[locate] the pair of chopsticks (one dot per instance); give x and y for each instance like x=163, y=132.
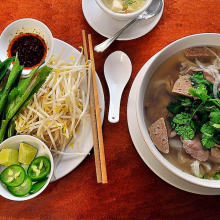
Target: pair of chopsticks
x=95, y=116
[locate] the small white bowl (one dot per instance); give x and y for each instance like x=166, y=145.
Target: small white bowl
x=25, y=25
x=120, y=16
x=206, y=39
x=42, y=150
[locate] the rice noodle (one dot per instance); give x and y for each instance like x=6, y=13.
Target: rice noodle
x=60, y=106
x=195, y=168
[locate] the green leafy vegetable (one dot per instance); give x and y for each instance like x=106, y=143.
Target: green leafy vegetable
x=126, y=3
x=15, y=72
x=179, y=105
x=4, y=66
x=17, y=93
x=217, y=176
x=215, y=117
x=200, y=92
x=20, y=100
x=201, y=114
x=184, y=125
x=199, y=81
x=216, y=125
x=186, y=131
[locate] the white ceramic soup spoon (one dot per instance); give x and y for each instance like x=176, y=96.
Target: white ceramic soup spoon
x=117, y=70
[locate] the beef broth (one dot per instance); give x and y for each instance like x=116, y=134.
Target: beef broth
x=158, y=95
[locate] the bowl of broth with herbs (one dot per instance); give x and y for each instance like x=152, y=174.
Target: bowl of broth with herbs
x=123, y=9
x=178, y=108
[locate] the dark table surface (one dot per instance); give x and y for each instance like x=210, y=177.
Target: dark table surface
x=133, y=190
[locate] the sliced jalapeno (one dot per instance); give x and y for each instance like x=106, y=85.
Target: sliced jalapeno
x=38, y=185
x=22, y=189
x=13, y=175
x=39, y=168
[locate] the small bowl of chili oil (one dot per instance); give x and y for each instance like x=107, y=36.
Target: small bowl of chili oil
x=31, y=39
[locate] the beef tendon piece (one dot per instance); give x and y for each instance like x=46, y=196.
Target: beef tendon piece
x=195, y=149
x=182, y=86
x=200, y=53
x=158, y=134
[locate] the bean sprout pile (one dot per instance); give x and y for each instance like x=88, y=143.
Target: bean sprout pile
x=60, y=106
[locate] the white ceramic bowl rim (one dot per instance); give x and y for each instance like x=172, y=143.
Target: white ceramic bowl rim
x=43, y=150
x=123, y=16
x=204, y=39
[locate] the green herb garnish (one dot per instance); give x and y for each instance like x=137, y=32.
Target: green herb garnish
x=126, y=3
x=201, y=114
x=217, y=176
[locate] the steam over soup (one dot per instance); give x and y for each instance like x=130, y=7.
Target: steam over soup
x=124, y=6
x=182, y=111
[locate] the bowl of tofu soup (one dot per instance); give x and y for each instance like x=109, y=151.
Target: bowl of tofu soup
x=123, y=9
x=178, y=108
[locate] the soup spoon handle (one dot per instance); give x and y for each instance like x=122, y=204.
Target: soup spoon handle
x=101, y=47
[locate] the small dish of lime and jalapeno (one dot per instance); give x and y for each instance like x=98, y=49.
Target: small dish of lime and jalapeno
x=18, y=182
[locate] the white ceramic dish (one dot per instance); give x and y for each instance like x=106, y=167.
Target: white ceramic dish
x=121, y=16
x=145, y=152
x=70, y=162
x=25, y=25
x=43, y=150
x=107, y=26
x=190, y=41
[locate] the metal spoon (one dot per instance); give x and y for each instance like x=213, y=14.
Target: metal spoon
x=154, y=8
x=117, y=71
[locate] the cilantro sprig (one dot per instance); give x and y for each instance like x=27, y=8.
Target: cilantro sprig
x=126, y=3
x=197, y=115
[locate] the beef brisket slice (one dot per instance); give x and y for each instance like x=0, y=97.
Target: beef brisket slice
x=195, y=149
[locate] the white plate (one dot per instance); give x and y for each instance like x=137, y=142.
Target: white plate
x=145, y=152
x=107, y=26
x=69, y=163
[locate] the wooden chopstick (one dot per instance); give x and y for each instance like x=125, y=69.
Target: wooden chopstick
x=98, y=117
x=93, y=118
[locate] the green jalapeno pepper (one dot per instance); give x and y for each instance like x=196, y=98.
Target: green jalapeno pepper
x=39, y=168
x=38, y=185
x=13, y=175
x=22, y=189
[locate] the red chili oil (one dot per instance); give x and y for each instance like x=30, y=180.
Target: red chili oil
x=31, y=49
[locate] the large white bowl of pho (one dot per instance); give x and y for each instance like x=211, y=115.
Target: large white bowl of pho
x=178, y=108
x=123, y=9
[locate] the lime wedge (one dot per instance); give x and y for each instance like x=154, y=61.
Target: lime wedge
x=8, y=157
x=26, y=153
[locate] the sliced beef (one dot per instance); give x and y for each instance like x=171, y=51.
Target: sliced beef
x=200, y=53
x=158, y=134
x=215, y=151
x=206, y=75
x=182, y=86
x=195, y=149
